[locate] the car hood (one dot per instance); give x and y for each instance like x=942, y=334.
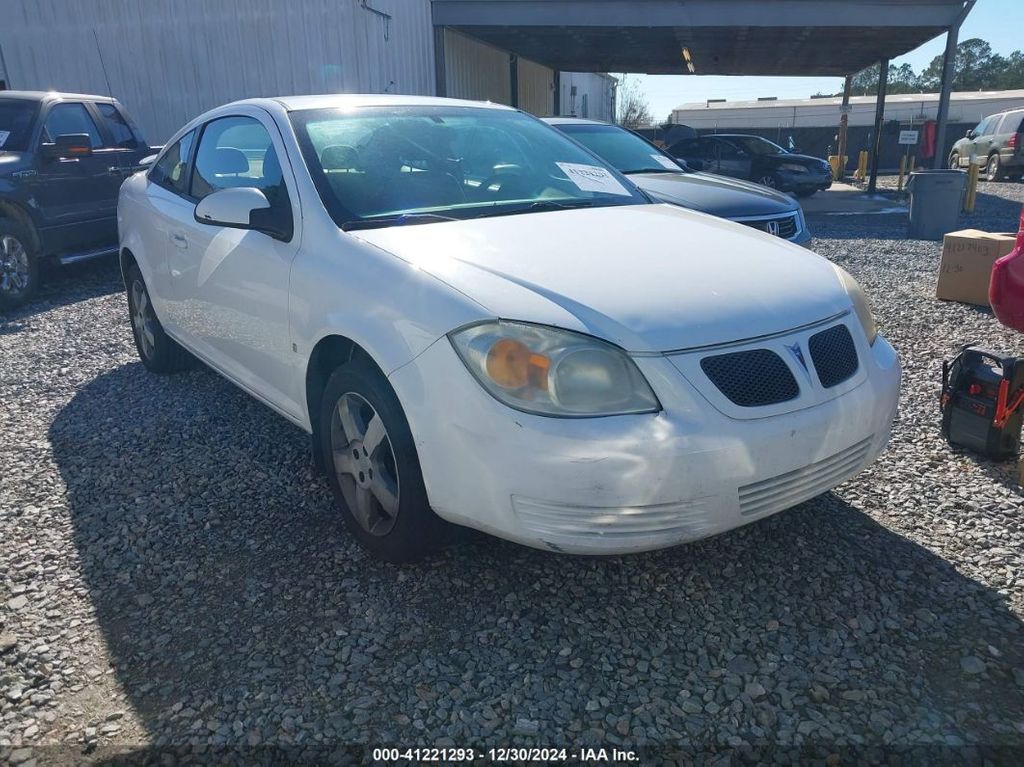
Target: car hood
x=713, y=194
x=645, y=277
x=798, y=159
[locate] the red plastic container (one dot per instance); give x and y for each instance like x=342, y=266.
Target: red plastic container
x=1006, y=288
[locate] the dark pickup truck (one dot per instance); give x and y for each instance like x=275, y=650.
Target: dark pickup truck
x=63, y=157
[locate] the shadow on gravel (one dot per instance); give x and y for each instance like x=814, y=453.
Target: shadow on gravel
x=65, y=285
x=992, y=213
x=236, y=610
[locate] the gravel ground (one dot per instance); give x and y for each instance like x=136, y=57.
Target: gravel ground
x=171, y=572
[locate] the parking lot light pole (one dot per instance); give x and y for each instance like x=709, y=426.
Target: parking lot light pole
x=883, y=84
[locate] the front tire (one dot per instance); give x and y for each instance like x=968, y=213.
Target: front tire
x=19, y=264
x=373, y=468
x=954, y=161
x=158, y=351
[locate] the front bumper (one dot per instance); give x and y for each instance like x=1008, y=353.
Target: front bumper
x=632, y=483
x=791, y=182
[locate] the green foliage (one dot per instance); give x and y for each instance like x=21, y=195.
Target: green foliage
x=975, y=67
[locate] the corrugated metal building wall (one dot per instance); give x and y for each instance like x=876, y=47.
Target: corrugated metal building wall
x=594, y=95
x=536, y=88
x=169, y=60
x=475, y=70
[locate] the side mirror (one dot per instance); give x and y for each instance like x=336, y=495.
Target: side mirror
x=146, y=162
x=970, y=133
x=245, y=207
x=68, y=146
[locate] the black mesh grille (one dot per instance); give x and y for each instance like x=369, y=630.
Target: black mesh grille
x=787, y=225
x=752, y=378
x=834, y=355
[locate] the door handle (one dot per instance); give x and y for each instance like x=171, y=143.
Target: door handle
x=179, y=240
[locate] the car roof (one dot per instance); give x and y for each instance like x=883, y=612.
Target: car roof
x=575, y=121
x=53, y=96
x=343, y=100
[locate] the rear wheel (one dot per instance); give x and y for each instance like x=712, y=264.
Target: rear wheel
x=158, y=351
x=19, y=264
x=994, y=169
x=373, y=468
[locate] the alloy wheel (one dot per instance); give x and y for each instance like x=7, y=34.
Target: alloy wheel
x=768, y=181
x=14, y=271
x=364, y=462
x=992, y=169
x=143, y=319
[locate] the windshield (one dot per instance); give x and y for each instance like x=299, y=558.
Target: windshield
x=16, y=117
x=757, y=145
x=625, y=151
x=392, y=165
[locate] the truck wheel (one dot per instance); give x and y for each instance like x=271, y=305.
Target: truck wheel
x=373, y=468
x=994, y=169
x=19, y=264
x=158, y=351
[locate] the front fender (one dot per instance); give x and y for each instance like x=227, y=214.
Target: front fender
x=388, y=307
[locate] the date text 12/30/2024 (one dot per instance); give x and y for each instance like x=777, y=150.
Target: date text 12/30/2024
x=510, y=754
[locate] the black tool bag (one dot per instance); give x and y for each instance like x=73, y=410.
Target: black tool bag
x=983, y=402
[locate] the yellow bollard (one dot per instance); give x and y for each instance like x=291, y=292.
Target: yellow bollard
x=862, y=165
x=903, y=170
x=911, y=165
x=971, y=197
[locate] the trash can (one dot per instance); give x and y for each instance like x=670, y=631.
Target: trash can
x=936, y=198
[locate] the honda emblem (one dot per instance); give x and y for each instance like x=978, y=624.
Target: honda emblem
x=773, y=228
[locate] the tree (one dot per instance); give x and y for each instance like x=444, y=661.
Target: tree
x=633, y=111
x=974, y=68
x=902, y=79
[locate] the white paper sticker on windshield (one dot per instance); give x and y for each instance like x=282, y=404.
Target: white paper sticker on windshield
x=592, y=178
x=3, y=136
x=665, y=162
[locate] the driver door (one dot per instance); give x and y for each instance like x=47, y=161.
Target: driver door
x=731, y=160
x=229, y=286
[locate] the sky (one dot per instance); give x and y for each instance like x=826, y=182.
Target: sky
x=999, y=22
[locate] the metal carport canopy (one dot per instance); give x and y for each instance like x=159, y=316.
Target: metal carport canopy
x=723, y=37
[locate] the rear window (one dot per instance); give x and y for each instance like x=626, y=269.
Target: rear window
x=16, y=119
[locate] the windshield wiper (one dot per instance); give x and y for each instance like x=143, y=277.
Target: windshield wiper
x=404, y=219
x=538, y=207
x=650, y=170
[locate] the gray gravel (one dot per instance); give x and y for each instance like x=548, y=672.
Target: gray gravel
x=171, y=572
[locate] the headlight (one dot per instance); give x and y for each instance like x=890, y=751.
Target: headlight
x=793, y=168
x=553, y=372
x=860, y=303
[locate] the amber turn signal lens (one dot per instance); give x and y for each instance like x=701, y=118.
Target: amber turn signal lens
x=512, y=365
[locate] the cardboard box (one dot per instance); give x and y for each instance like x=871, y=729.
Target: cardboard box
x=966, y=267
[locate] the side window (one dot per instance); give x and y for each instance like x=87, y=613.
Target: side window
x=685, y=148
x=120, y=131
x=236, y=152
x=71, y=118
x=982, y=127
x=708, y=148
x=728, y=151
x=171, y=172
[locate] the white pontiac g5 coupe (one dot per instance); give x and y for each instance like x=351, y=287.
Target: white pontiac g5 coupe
x=480, y=321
